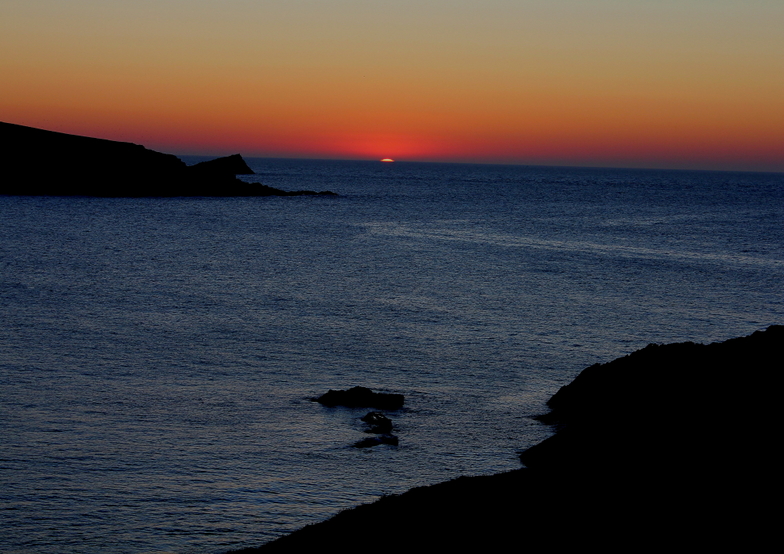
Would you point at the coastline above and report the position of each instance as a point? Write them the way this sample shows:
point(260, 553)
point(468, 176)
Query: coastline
point(37, 162)
point(669, 445)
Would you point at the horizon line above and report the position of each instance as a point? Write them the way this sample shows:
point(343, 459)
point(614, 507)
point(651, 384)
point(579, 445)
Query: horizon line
point(499, 163)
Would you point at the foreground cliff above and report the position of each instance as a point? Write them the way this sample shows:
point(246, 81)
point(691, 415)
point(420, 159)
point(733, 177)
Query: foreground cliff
point(694, 406)
point(672, 447)
point(47, 163)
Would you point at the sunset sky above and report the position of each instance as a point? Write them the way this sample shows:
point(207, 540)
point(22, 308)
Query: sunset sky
point(642, 83)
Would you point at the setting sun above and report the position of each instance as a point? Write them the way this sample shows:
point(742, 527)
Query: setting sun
point(387, 160)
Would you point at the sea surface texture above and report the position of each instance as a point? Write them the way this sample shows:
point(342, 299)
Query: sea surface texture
point(157, 356)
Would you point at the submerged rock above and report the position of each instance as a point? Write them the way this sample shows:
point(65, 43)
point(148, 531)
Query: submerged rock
point(376, 441)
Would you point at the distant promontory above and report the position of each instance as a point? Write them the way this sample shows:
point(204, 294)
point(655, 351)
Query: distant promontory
point(36, 162)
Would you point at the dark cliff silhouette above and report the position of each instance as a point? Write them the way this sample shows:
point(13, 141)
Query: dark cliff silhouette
point(39, 162)
point(666, 405)
point(672, 447)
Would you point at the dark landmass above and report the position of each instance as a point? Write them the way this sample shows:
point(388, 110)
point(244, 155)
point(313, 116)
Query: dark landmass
point(36, 162)
point(672, 447)
point(686, 404)
point(219, 167)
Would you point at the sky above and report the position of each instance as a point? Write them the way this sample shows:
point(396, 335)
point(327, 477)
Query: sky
point(691, 84)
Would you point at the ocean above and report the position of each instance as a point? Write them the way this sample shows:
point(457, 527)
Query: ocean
point(158, 356)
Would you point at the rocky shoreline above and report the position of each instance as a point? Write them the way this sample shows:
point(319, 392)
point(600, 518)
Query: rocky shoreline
point(36, 162)
point(669, 447)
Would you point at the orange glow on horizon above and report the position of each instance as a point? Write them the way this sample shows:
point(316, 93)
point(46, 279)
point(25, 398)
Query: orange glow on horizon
point(521, 83)
point(584, 143)
point(387, 160)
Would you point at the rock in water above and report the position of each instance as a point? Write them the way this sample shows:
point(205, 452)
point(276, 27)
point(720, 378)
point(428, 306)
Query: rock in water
point(362, 397)
point(378, 422)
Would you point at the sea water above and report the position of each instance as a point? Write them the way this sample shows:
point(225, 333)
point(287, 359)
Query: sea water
point(158, 356)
